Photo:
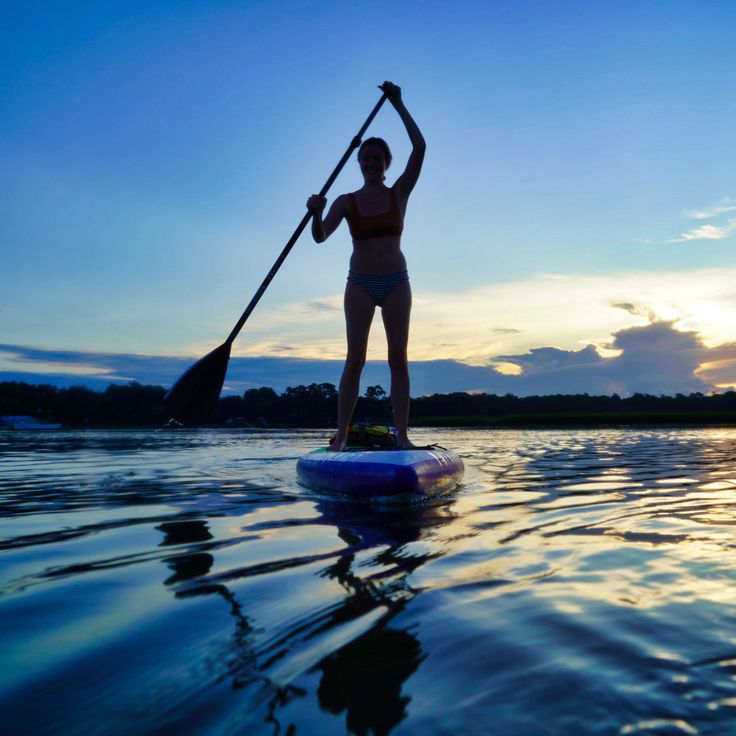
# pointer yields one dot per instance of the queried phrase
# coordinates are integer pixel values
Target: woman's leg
(395, 312)
(359, 310)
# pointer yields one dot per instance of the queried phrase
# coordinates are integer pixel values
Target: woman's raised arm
(405, 183)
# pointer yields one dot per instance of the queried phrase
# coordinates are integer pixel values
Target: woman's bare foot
(406, 444)
(337, 445)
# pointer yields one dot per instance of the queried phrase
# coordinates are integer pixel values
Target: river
(160, 582)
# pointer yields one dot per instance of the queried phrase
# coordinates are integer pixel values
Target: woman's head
(374, 157)
(376, 142)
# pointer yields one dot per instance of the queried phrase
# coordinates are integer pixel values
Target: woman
(378, 275)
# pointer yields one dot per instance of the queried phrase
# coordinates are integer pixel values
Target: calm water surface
(579, 582)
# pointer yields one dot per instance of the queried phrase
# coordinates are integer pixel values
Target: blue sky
(155, 157)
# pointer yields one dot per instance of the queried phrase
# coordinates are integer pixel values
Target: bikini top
(383, 225)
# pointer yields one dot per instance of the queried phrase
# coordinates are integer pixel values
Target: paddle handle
(300, 227)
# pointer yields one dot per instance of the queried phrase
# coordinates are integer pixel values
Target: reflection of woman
(378, 275)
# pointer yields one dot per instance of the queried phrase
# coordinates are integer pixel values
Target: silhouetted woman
(378, 275)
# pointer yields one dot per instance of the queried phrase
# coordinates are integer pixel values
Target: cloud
(568, 312)
(657, 358)
(724, 205)
(654, 358)
(707, 232)
(719, 368)
(710, 231)
(97, 370)
(628, 307)
(471, 326)
(545, 360)
(323, 305)
(77, 367)
(545, 334)
(641, 310)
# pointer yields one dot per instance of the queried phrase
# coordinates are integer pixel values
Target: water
(579, 582)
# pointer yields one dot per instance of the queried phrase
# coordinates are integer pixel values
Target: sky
(573, 229)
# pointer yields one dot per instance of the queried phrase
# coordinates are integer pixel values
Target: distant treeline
(135, 405)
(463, 409)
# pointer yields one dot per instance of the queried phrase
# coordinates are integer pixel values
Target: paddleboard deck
(371, 473)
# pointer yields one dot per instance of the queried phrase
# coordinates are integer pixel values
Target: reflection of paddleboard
(361, 472)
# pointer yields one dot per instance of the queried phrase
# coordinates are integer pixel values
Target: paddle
(193, 398)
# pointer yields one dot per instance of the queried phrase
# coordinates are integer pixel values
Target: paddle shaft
(300, 227)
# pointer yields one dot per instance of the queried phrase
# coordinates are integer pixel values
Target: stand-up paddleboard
(370, 472)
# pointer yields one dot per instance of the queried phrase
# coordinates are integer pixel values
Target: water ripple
(180, 581)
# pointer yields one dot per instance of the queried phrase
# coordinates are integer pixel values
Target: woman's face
(372, 163)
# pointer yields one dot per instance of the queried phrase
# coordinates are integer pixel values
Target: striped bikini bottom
(379, 286)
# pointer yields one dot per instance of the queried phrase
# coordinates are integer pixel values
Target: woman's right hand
(315, 204)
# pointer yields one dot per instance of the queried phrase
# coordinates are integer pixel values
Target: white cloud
(724, 205)
(707, 232)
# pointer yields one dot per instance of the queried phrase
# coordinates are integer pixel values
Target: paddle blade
(192, 400)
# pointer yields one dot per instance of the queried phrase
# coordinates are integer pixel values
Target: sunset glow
(154, 164)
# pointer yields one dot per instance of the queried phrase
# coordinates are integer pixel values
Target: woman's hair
(377, 142)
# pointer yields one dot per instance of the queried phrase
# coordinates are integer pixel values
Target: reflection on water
(181, 582)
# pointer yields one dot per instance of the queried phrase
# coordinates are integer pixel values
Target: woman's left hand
(392, 91)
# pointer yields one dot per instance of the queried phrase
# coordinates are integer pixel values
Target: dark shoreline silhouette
(136, 405)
